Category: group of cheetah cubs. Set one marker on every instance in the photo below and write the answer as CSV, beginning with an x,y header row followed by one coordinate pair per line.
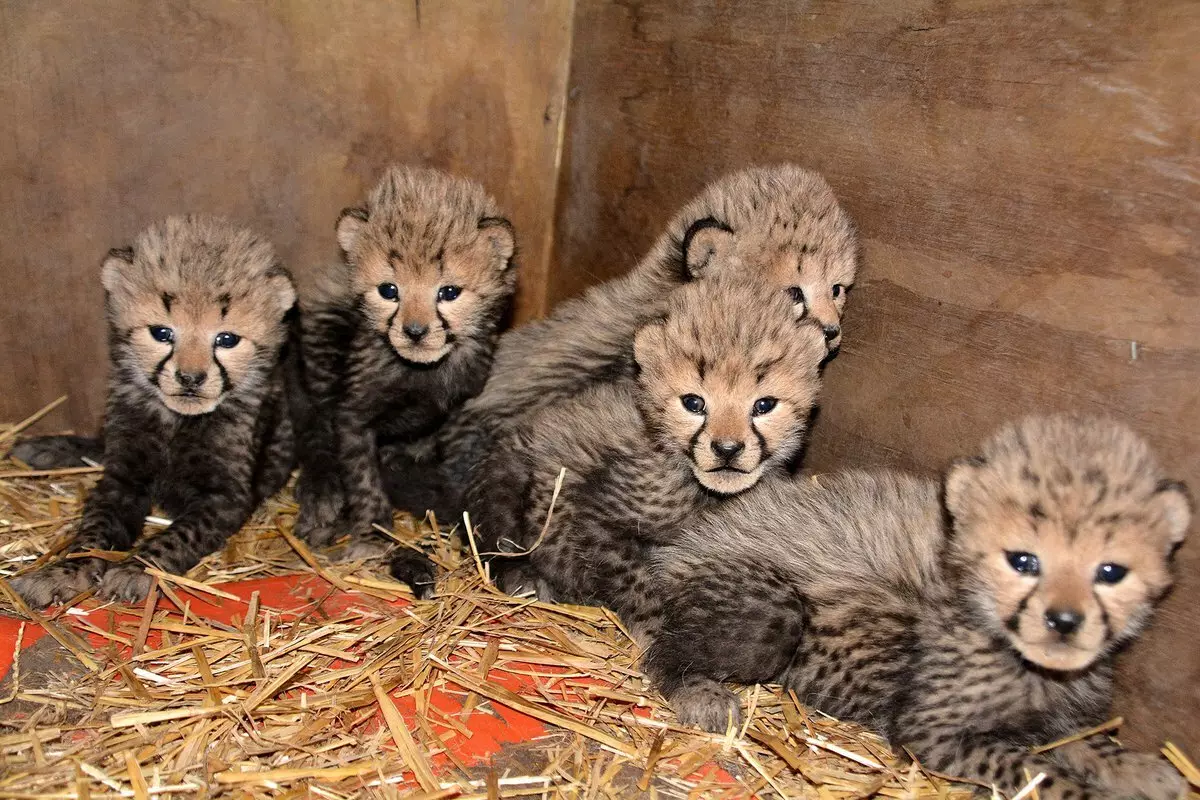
x,y
968,619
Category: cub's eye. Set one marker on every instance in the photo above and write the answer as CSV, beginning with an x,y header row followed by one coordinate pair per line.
x,y
161,333
764,405
692,403
389,291
226,339
1111,573
448,294
797,294
838,289
1024,563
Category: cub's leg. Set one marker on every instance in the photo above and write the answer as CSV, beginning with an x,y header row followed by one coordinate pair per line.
x,y
319,488
417,570
1115,772
58,452
113,517
725,622
993,761
210,497
367,503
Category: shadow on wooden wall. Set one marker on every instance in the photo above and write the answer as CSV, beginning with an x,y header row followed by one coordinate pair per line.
x,y
1027,180
276,114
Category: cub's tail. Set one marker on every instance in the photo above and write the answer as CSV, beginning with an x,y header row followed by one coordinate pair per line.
x,y
59,452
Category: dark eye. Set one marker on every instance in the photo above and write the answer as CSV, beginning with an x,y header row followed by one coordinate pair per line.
x,y
226,339
1111,573
764,405
161,333
797,294
1024,563
693,403
388,291
448,294
837,290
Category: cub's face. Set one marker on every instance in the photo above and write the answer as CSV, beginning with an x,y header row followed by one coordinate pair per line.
x,y
1068,562
728,381
814,271
426,293
191,337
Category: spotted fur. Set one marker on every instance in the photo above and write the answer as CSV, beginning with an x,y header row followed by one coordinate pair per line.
x,y
724,389
896,602
403,334
200,314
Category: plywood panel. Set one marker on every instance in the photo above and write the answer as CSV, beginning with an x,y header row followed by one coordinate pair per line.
x,y
278,114
1027,179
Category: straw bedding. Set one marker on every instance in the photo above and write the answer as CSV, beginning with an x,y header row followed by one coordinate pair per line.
x,y
338,685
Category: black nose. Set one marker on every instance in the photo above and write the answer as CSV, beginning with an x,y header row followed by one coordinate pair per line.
x,y
415,331
727,450
190,380
1063,622
831,332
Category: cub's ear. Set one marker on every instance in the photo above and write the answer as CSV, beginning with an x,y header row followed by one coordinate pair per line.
x,y
707,245
959,479
498,233
349,225
1171,499
649,345
281,288
114,266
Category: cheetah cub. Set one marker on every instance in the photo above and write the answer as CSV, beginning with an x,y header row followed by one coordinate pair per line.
x,y
403,336
968,622
780,226
200,314
724,390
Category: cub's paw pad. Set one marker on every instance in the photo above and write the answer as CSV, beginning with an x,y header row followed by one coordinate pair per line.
x,y
360,548
58,583
416,570
126,582
1144,776
708,705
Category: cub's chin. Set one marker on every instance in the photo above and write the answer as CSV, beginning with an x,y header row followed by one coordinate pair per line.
x,y
189,405
1057,656
727,481
422,356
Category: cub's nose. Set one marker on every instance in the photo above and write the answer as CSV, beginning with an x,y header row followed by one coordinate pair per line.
x,y
831,332
1063,621
415,331
727,450
190,380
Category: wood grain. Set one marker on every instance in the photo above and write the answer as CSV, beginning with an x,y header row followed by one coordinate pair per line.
x,y
1026,176
278,114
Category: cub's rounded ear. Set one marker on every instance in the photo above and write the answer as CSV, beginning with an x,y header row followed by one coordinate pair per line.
x,y
114,266
649,345
498,233
281,288
1172,500
959,479
349,225
707,244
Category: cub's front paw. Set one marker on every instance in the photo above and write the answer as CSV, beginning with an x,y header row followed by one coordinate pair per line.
x,y
320,520
1142,776
363,547
58,583
416,570
707,704
126,582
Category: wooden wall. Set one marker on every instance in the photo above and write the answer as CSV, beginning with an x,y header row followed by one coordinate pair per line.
x,y
1027,179
280,114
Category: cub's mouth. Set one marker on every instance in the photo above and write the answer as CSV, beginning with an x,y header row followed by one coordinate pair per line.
x,y
190,403
424,356
727,480
1055,653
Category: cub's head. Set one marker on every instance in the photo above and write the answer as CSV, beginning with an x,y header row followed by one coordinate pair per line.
x,y
1064,530
728,380
781,227
431,261
196,310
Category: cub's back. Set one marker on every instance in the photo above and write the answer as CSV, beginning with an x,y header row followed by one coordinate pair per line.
x,y
831,534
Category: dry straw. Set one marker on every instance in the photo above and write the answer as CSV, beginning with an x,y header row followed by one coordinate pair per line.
x,y
363,695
